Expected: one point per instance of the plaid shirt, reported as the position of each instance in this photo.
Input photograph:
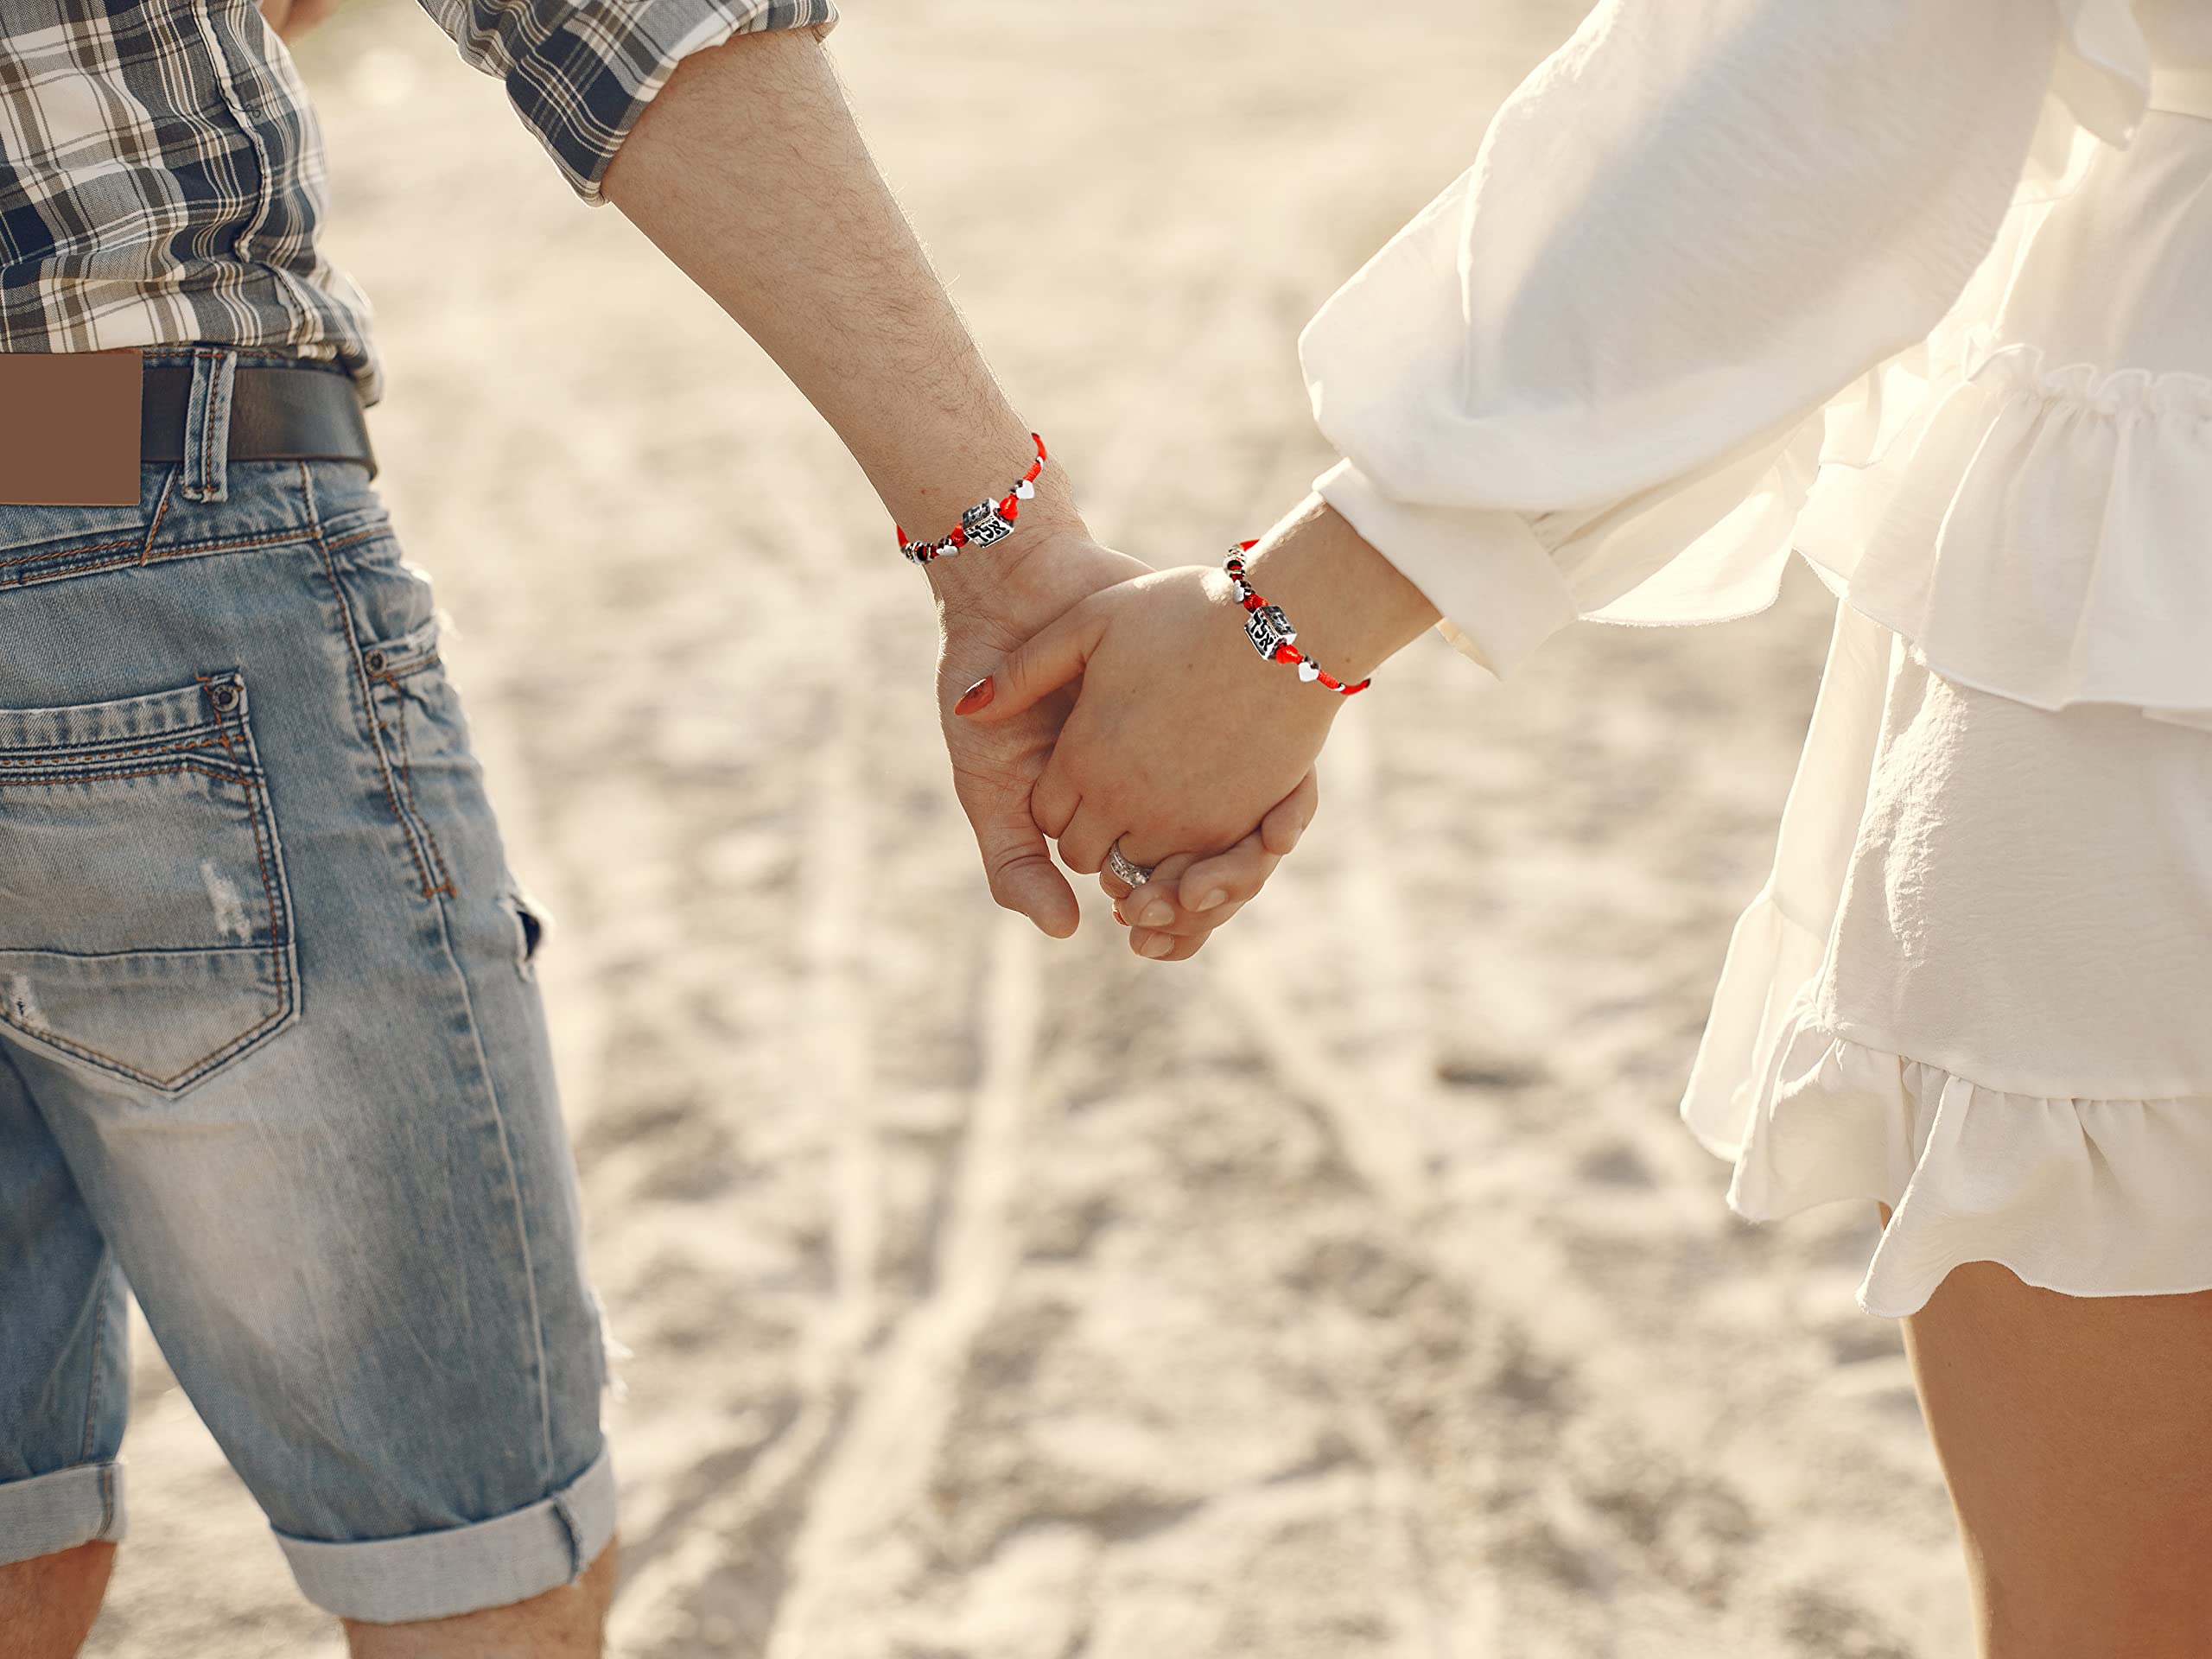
(161, 176)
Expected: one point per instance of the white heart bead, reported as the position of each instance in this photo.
(1026, 490)
(1309, 671)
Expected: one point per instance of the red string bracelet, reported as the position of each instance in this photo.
(985, 523)
(1270, 630)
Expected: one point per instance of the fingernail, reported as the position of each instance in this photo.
(1120, 918)
(977, 695)
(1158, 913)
(1156, 947)
(1213, 901)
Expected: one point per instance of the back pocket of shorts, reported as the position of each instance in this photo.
(145, 929)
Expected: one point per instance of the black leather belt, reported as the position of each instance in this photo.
(277, 414)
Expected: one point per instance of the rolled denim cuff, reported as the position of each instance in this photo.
(82, 1504)
(493, 1563)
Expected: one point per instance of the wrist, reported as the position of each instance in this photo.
(978, 575)
(1352, 608)
(954, 549)
(1274, 704)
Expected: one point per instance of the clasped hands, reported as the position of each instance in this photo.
(1092, 700)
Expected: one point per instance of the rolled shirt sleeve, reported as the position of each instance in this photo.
(580, 72)
(1684, 235)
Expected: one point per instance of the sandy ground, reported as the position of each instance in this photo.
(998, 1300)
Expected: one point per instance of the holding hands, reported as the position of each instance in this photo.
(985, 618)
(1182, 735)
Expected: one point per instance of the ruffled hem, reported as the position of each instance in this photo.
(2035, 532)
(2030, 528)
(2087, 1198)
(2084, 1197)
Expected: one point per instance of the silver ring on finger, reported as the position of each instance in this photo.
(1118, 864)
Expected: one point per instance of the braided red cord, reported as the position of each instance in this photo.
(1008, 508)
(1285, 653)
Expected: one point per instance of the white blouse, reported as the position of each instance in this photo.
(1713, 276)
(1922, 290)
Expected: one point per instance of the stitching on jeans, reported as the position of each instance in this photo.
(279, 920)
(353, 537)
(280, 934)
(207, 428)
(92, 751)
(292, 532)
(161, 511)
(407, 779)
(368, 699)
(413, 833)
(96, 546)
(143, 953)
(134, 771)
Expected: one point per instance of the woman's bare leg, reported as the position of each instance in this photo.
(2077, 1436)
(568, 1623)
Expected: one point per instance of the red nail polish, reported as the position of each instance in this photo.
(977, 695)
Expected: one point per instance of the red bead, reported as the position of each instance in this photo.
(959, 538)
(1253, 601)
(1010, 508)
(1288, 654)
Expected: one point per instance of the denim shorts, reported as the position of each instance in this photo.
(271, 1051)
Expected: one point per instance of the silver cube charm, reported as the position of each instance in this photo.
(1270, 630)
(982, 525)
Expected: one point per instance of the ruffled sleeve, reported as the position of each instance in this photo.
(1590, 378)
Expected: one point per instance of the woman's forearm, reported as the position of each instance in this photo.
(1352, 608)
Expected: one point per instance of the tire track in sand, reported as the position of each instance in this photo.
(879, 1464)
(1374, 1109)
(730, 1564)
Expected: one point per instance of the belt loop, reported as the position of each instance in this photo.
(207, 424)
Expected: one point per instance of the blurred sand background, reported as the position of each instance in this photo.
(1352, 1291)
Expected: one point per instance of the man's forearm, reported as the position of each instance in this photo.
(749, 172)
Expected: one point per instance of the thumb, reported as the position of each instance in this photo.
(1286, 824)
(1022, 875)
(1034, 671)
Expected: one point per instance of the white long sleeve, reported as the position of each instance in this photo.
(1684, 233)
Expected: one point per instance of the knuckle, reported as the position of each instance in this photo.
(1001, 865)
